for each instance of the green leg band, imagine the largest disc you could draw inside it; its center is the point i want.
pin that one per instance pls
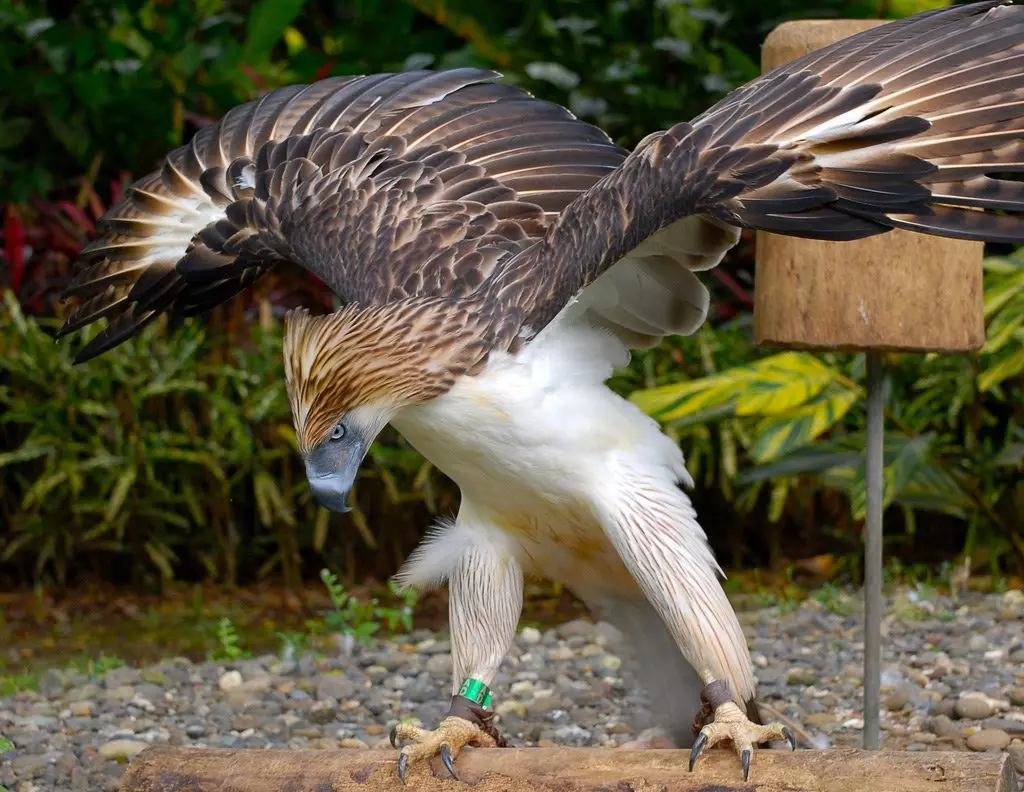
(476, 691)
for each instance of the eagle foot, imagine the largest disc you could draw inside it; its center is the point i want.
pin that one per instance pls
(731, 724)
(467, 723)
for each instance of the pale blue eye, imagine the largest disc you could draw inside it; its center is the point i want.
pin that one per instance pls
(338, 432)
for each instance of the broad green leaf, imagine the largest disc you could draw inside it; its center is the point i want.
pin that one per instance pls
(1007, 286)
(1009, 366)
(814, 459)
(782, 382)
(902, 456)
(931, 488)
(1004, 325)
(268, 20)
(672, 402)
(780, 435)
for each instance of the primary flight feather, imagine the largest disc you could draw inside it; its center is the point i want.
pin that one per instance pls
(497, 259)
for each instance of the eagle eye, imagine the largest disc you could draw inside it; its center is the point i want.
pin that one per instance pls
(338, 431)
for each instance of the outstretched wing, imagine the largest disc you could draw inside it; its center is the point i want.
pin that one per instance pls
(383, 186)
(900, 126)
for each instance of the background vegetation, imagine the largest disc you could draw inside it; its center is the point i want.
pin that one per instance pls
(172, 458)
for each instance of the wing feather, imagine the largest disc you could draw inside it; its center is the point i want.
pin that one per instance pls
(905, 125)
(384, 186)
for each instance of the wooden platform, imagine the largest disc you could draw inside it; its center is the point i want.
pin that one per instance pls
(568, 770)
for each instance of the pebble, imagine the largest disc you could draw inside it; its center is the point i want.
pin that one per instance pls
(334, 686)
(1016, 752)
(944, 726)
(987, 739)
(973, 707)
(230, 680)
(530, 636)
(945, 688)
(122, 749)
(896, 700)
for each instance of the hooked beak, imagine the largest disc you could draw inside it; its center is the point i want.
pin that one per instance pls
(331, 469)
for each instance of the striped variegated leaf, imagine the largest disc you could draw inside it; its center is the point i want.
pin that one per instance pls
(682, 399)
(933, 489)
(768, 387)
(817, 459)
(902, 456)
(779, 435)
(781, 382)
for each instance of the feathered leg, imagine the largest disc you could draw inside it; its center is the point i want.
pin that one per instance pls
(654, 529)
(485, 600)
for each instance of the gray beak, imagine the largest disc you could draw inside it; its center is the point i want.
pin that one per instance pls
(331, 469)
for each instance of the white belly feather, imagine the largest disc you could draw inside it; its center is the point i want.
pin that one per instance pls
(568, 479)
(529, 441)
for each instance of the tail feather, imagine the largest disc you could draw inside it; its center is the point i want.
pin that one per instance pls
(670, 681)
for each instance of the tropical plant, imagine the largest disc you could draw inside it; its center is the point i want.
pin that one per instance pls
(174, 454)
(790, 424)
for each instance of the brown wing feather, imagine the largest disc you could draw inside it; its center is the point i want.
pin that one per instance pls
(903, 125)
(384, 186)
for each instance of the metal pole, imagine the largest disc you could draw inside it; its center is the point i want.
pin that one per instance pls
(874, 464)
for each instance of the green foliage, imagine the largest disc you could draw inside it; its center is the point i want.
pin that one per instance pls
(834, 600)
(15, 683)
(351, 616)
(167, 454)
(174, 456)
(792, 423)
(96, 667)
(348, 615)
(106, 87)
(229, 646)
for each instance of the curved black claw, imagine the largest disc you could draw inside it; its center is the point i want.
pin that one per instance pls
(446, 758)
(789, 736)
(403, 762)
(394, 736)
(745, 760)
(697, 749)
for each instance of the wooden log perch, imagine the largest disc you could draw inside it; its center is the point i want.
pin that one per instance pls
(568, 770)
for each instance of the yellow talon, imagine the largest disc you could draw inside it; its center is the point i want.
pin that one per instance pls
(445, 741)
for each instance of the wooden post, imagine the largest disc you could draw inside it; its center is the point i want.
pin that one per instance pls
(571, 769)
(900, 291)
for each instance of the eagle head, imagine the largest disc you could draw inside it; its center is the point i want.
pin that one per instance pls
(349, 372)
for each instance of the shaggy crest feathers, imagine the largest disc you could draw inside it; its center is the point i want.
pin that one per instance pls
(391, 356)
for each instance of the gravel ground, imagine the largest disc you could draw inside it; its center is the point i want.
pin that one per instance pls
(953, 678)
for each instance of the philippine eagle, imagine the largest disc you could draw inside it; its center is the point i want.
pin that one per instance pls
(497, 260)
